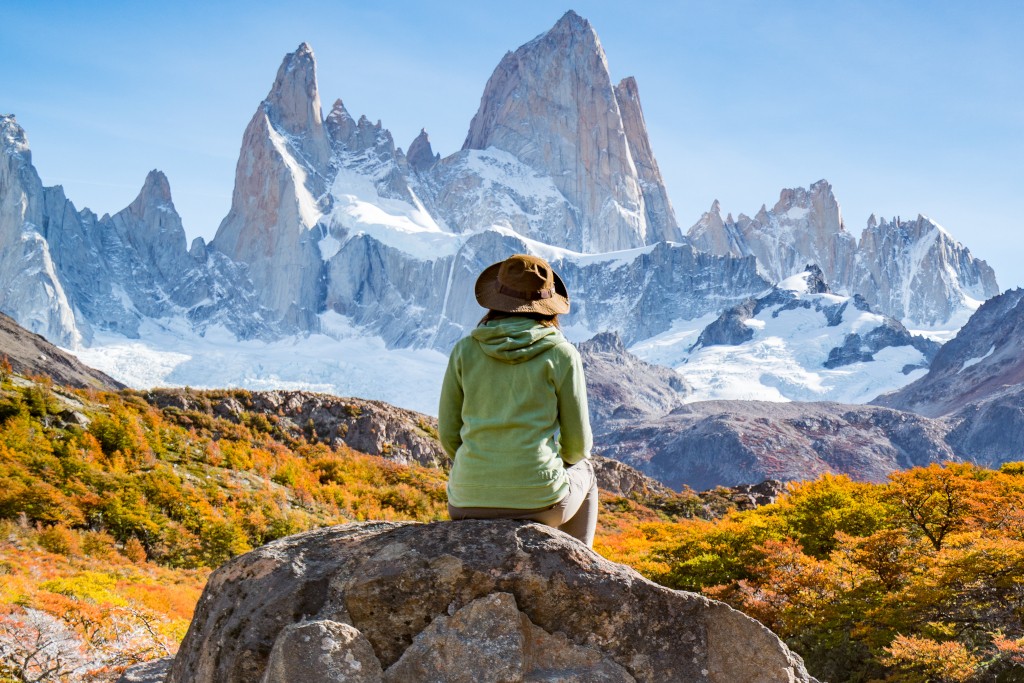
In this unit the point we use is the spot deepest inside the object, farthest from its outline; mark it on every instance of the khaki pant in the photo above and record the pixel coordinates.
(576, 514)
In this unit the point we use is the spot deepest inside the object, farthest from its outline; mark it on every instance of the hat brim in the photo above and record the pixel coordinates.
(488, 296)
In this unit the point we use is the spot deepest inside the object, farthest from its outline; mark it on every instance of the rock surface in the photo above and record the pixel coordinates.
(552, 105)
(540, 604)
(621, 385)
(154, 671)
(325, 651)
(724, 443)
(31, 354)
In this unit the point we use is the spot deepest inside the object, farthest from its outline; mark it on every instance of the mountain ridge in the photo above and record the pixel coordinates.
(330, 220)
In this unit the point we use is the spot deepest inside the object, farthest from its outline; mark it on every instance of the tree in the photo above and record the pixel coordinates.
(36, 647)
(935, 500)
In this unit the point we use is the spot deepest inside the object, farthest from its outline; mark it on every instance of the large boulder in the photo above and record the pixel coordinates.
(452, 601)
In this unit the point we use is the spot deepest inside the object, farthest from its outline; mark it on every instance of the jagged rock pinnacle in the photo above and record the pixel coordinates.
(552, 105)
(421, 157)
(293, 105)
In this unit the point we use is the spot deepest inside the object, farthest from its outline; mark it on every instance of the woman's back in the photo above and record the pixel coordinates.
(521, 384)
(513, 411)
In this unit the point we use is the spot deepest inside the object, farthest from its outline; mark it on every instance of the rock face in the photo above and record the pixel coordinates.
(661, 218)
(371, 427)
(724, 443)
(976, 383)
(551, 104)
(621, 385)
(911, 271)
(464, 601)
(31, 354)
(32, 291)
(279, 181)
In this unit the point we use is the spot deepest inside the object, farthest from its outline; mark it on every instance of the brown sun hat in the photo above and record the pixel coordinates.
(522, 284)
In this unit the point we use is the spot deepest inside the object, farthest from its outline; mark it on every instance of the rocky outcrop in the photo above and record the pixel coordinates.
(462, 601)
(372, 427)
(861, 348)
(620, 385)
(731, 328)
(551, 104)
(911, 271)
(725, 443)
(619, 479)
(421, 156)
(31, 354)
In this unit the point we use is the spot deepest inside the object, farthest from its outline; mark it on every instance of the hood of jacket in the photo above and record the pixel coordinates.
(515, 340)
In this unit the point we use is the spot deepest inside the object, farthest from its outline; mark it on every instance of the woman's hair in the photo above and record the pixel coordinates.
(543, 318)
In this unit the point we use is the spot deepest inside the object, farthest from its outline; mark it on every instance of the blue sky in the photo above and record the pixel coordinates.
(905, 107)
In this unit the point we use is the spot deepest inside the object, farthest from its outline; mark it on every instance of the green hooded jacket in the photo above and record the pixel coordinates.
(513, 413)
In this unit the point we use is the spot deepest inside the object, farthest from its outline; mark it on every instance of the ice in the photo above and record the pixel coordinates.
(344, 361)
(329, 246)
(784, 361)
(974, 361)
(795, 283)
(359, 209)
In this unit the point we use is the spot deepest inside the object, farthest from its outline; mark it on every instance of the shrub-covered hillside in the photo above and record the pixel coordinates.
(114, 508)
(917, 580)
(113, 512)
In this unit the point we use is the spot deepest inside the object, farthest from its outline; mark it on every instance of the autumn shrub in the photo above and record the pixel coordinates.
(59, 539)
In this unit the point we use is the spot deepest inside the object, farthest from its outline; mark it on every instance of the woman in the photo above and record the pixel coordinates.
(513, 411)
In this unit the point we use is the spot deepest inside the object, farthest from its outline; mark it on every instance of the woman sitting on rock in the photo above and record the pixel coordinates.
(513, 411)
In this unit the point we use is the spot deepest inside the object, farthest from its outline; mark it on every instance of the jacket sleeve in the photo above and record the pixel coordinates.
(573, 419)
(449, 412)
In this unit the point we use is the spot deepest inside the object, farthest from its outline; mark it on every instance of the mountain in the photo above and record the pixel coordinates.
(68, 274)
(976, 384)
(329, 215)
(967, 407)
(798, 341)
(345, 262)
(983, 362)
(911, 271)
(716, 443)
(31, 354)
(552, 105)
